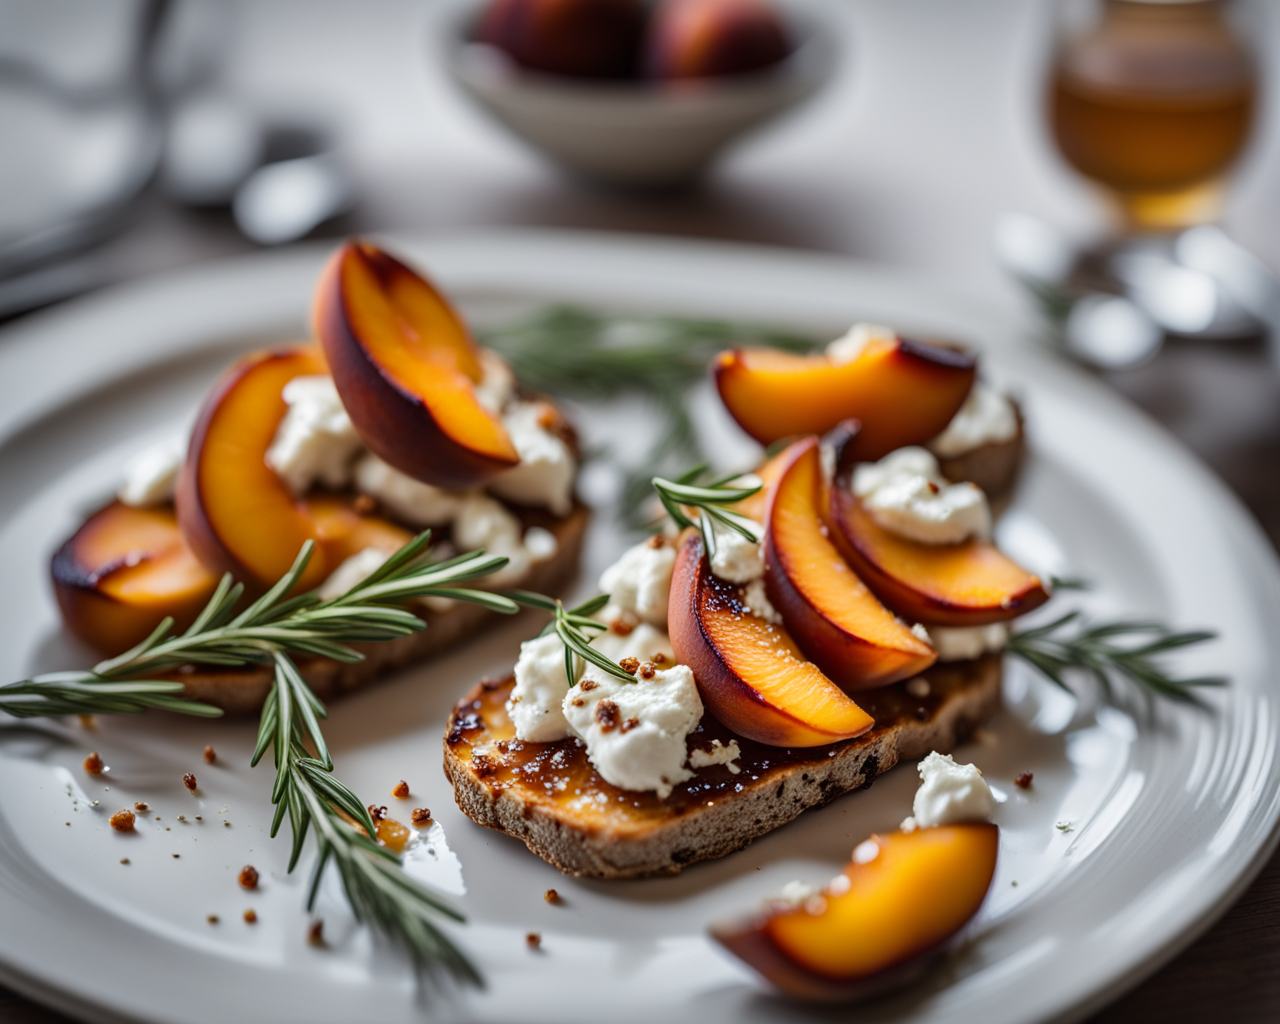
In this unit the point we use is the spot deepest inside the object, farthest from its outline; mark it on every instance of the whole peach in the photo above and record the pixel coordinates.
(702, 38)
(582, 38)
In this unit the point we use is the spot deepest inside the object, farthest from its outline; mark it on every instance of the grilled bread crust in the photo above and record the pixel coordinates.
(549, 796)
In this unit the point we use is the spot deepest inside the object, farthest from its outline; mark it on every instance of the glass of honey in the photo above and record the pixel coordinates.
(1154, 101)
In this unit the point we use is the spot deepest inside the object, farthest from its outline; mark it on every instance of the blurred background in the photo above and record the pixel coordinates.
(1111, 164)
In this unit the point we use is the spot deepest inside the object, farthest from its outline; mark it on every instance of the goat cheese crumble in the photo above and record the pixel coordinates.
(963, 643)
(906, 493)
(719, 753)
(544, 476)
(849, 346)
(639, 583)
(151, 476)
(409, 500)
(987, 417)
(736, 559)
(949, 794)
(315, 442)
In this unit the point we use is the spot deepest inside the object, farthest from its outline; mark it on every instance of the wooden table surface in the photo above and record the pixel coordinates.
(930, 130)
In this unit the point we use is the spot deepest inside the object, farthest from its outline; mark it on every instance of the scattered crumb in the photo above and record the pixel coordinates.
(122, 821)
(93, 764)
(212, 918)
(173, 855)
(198, 818)
(68, 824)
(1064, 826)
(630, 665)
(364, 504)
(647, 671)
(533, 940)
(189, 781)
(225, 823)
(918, 687)
(142, 808)
(250, 916)
(401, 791)
(124, 860)
(1023, 781)
(209, 755)
(659, 658)
(377, 813)
(551, 896)
(1014, 884)
(315, 934)
(182, 817)
(88, 721)
(421, 816)
(621, 627)
(656, 541)
(248, 877)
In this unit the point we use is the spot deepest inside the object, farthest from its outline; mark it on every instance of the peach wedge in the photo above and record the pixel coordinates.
(406, 370)
(750, 673)
(901, 897)
(122, 572)
(835, 619)
(904, 392)
(967, 584)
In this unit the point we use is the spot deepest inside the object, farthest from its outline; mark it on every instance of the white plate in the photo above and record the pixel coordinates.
(1168, 821)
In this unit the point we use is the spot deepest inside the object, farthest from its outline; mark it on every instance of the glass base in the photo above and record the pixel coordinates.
(1170, 211)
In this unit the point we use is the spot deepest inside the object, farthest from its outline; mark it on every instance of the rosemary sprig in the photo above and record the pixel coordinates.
(1112, 653)
(710, 501)
(305, 624)
(572, 625)
(583, 353)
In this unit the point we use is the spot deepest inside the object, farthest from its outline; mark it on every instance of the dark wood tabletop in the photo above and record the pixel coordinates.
(930, 130)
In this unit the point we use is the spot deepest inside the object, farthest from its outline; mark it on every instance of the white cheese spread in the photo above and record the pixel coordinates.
(639, 583)
(963, 643)
(541, 544)
(151, 476)
(949, 794)
(757, 602)
(846, 349)
(409, 500)
(541, 685)
(635, 732)
(315, 441)
(987, 417)
(482, 522)
(544, 476)
(719, 753)
(356, 569)
(497, 382)
(736, 560)
(907, 495)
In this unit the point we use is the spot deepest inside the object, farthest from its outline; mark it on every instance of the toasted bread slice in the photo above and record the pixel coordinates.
(243, 690)
(550, 796)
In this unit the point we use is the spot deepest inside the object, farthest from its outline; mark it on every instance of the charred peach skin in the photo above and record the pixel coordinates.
(235, 512)
(750, 673)
(916, 891)
(122, 572)
(406, 371)
(904, 392)
(968, 584)
(834, 618)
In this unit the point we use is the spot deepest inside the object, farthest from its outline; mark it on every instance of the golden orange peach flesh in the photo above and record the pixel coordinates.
(234, 510)
(750, 673)
(406, 370)
(837, 621)
(916, 890)
(966, 584)
(904, 392)
(123, 571)
(899, 899)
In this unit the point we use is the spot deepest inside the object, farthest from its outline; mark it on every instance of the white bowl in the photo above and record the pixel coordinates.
(637, 133)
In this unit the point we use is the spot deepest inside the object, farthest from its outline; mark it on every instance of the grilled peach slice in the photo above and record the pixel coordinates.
(342, 531)
(235, 512)
(406, 371)
(123, 571)
(898, 900)
(750, 673)
(834, 618)
(904, 392)
(967, 584)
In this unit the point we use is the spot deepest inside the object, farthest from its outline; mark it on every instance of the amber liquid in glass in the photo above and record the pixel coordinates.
(1156, 106)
